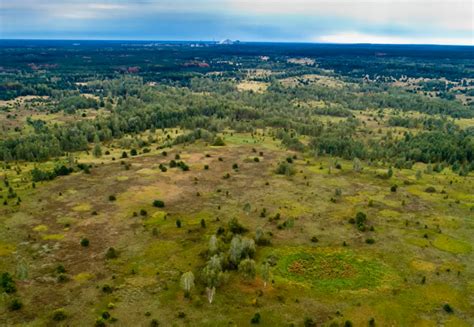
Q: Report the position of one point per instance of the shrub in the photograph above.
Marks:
(124, 155)
(154, 323)
(430, 189)
(235, 166)
(112, 198)
(393, 188)
(248, 269)
(7, 283)
(111, 253)
(206, 167)
(235, 227)
(15, 305)
(178, 223)
(203, 223)
(59, 315)
(256, 159)
(370, 241)
(308, 322)
(218, 141)
(284, 168)
(60, 269)
(183, 166)
(314, 239)
(255, 319)
(158, 204)
(360, 220)
(133, 152)
(448, 308)
(84, 242)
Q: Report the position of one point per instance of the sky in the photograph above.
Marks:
(329, 21)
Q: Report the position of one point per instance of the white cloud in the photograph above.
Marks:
(448, 14)
(355, 37)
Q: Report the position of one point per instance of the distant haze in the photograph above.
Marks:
(333, 21)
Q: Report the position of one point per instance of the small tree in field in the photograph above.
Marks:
(187, 282)
(265, 271)
(212, 275)
(213, 245)
(247, 268)
(357, 165)
(97, 151)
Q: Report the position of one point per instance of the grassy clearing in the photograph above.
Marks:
(322, 263)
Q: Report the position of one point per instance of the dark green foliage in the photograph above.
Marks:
(84, 242)
(370, 241)
(430, 189)
(447, 308)
(178, 223)
(111, 253)
(7, 283)
(158, 204)
(218, 141)
(360, 220)
(309, 322)
(59, 315)
(235, 227)
(203, 223)
(285, 168)
(15, 305)
(256, 318)
(40, 175)
(112, 198)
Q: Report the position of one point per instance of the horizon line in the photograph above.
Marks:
(236, 40)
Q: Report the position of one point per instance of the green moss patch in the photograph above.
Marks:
(450, 244)
(332, 270)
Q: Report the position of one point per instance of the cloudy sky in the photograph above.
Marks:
(335, 21)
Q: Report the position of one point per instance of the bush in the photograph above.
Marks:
(393, 188)
(7, 283)
(203, 223)
(255, 319)
(235, 227)
(314, 239)
(85, 242)
(59, 315)
(158, 204)
(284, 168)
(218, 141)
(111, 253)
(308, 322)
(430, 189)
(15, 305)
(370, 241)
(133, 152)
(178, 223)
(112, 198)
(448, 308)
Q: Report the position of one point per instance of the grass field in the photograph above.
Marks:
(414, 256)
